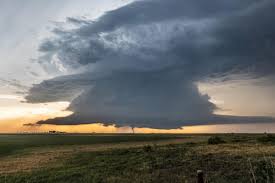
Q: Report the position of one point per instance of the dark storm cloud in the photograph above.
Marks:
(138, 65)
(144, 12)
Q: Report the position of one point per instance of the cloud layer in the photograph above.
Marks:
(138, 65)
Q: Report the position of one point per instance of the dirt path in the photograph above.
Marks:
(36, 158)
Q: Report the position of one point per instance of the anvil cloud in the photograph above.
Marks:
(138, 65)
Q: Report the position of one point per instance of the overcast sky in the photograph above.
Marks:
(25, 23)
(156, 63)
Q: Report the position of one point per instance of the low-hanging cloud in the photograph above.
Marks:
(138, 65)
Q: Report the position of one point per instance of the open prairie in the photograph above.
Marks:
(136, 158)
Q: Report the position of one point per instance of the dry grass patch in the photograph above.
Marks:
(37, 158)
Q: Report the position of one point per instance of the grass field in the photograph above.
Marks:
(10, 143)
(123, 158)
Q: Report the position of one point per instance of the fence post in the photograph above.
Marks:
(200, 176)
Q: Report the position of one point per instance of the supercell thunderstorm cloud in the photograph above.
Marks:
(139, 65)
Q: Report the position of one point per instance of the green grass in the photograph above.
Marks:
(239, 159)
(12, 143)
